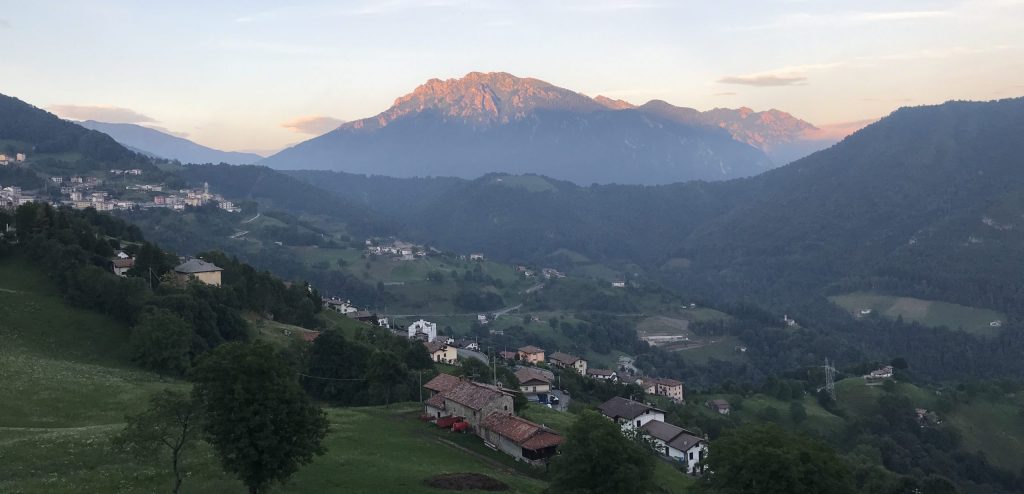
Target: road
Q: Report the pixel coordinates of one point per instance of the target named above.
(250, 220)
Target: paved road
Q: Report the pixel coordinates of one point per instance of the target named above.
(250, 220)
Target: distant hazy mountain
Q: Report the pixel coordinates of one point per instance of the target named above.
(163, 145)
(497, 122)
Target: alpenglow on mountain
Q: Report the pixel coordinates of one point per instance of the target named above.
(496, 122)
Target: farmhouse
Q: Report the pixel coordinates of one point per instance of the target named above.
(533, 382)
(678, 444)
(630, 414)
(442, 352)
(520, 438)
(122, 265)
(879, 374)
(565, 361)
(469, 400)
(531, 354)
(198, 269)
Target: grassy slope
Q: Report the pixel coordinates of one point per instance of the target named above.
(68, 384)
(926, 312)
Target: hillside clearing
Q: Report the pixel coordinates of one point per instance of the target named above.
(927, 312)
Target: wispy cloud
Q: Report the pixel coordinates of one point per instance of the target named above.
(5, 24)
(101, 113)
(909, 15)
(313, 124)
(764, 80)
(725, 93)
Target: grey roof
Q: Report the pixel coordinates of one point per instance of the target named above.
(619, 407)
(193, 266)
(662, 430)
(672, 435)
(684, 441)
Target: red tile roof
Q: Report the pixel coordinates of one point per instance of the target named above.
(521, 431)
(123, 263)
(436, 401)
(531, 349)
(442, 383)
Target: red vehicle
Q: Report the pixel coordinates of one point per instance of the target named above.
(460, 427)
(448, 422)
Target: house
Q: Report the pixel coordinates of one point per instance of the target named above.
(566, 361)
(363, 316)
(476, 257)
(470, 400)
(678, 444)
(481, 318)
(602, 374)
(423, 329)
(520, 438)
(721, 406)
(879, 374)
(618, 284)
(340, 306)
(533, 382)
(442, 352)
(508, 355)
(198, 269)
(659, 386)
(630, 414)
(531, 354)
(19, 157)
(122, 265)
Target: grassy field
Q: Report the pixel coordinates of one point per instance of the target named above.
(926, 312)
(996, 429)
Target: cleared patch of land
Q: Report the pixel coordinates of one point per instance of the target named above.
(927, 312)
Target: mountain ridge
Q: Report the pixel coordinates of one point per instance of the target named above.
(163, 145)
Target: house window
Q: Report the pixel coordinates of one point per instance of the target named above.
(506, 408)
(691, 455)
(638, 423)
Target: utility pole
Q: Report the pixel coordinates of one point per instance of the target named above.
(421, 385)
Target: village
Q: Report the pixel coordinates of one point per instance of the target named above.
(82, 192)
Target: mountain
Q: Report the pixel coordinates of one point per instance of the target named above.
(926, 202)
(34, 131)
(162, 145)
(497, 122)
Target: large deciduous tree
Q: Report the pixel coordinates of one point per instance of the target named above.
(597, 458)
(161, 341)
(258, 419)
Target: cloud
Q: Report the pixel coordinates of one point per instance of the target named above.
(5, 24)
(313, 124)
(764, 80)
(725, 93)
(101, 113)
(899, 16)
(849, 19)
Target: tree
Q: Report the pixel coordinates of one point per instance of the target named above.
(170, 422)
(383, 372)
(258, 419)
(161, 341)
(769, 460)
(597, 458)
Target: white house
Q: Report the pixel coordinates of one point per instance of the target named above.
(678, 444)
(630, 414)
(425, 328)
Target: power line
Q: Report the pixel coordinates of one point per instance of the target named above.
(331, 378)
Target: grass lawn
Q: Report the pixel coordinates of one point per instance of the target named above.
(720, 348)
(995, 429)
(927, 312)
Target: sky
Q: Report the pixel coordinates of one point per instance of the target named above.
(258, 76)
